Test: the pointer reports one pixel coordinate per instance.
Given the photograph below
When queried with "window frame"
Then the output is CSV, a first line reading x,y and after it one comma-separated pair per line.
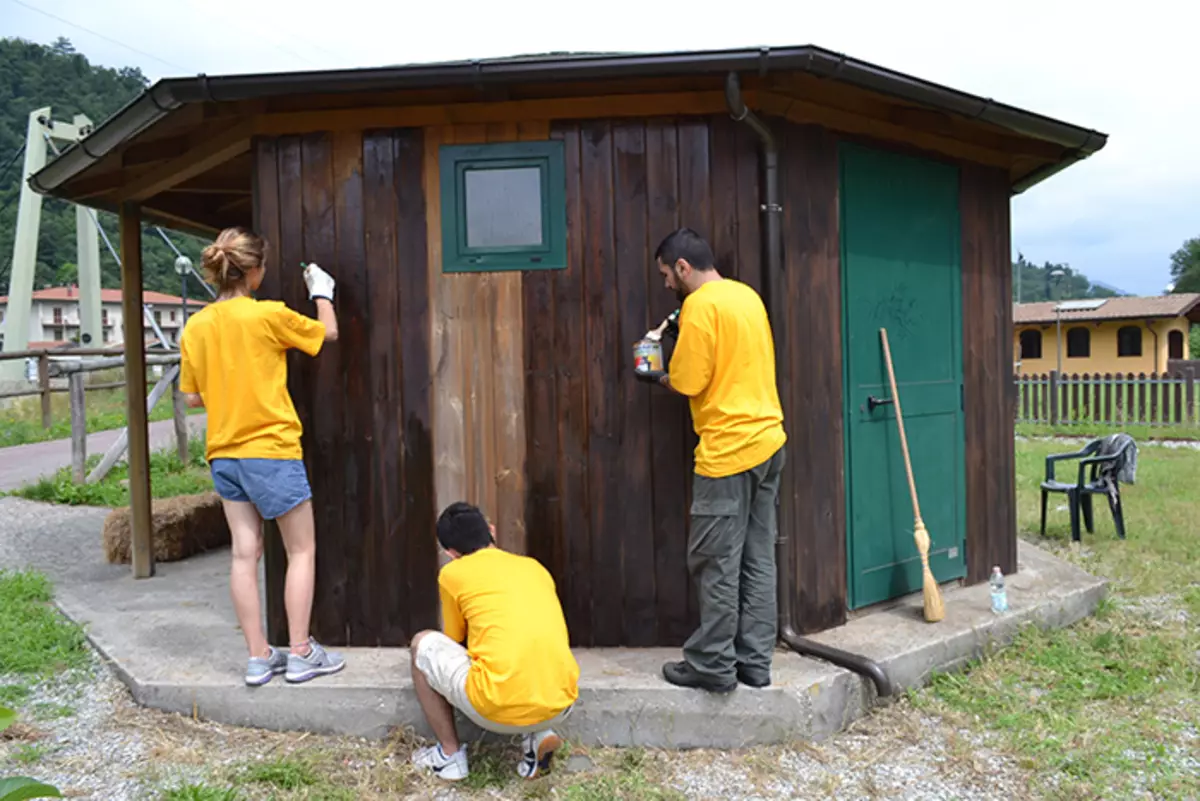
x,y
549,157
1021,344
1140,343
1087,342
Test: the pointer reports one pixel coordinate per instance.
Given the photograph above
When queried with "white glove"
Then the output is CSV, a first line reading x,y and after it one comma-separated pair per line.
x,y
320,283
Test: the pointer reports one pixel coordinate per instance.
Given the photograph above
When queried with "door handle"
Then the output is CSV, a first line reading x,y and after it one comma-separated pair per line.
x,y
873,401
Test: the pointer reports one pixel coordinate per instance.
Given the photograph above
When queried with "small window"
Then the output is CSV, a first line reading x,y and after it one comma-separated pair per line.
x,y
1175,345
58,315
1031,345
1079,343
503,207
172,316
1129,341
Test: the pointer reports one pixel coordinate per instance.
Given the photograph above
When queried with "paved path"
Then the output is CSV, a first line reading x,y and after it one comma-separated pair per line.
x,y
23,464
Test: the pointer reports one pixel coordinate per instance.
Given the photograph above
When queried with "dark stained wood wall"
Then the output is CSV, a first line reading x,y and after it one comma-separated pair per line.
x,y
609,460
353,202
806,312
989,393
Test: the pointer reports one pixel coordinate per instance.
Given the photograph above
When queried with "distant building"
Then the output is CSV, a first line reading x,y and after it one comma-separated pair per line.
x,y
54,316
1113,335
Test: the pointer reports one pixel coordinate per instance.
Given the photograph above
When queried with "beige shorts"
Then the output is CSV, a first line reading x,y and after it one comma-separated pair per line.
x,y
446,664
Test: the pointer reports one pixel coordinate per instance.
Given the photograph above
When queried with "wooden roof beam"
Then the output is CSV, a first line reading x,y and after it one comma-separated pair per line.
x,y
214,150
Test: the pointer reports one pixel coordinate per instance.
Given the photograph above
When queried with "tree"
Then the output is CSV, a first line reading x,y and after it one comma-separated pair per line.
x,y
1052,282
1185,267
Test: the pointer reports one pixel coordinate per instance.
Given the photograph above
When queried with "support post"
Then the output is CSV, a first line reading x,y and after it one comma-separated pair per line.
x,y
24,256
1054,398
78,398
44,388
181,431
135,391
87,245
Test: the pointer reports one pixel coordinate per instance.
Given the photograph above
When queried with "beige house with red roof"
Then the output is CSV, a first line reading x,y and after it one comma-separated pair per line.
x,y
1104,335
54,317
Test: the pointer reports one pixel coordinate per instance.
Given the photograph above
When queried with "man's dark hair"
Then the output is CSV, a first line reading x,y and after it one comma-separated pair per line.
x,y
685,244
463,528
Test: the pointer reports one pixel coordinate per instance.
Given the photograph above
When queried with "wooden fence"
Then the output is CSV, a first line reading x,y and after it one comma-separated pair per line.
x,y
1157,399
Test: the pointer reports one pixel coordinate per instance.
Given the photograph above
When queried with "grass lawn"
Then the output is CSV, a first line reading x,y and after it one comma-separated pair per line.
x,y
169,477
1107,708
21,423
1141,433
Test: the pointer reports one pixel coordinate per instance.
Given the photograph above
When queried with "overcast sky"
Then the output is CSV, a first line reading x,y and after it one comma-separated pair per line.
x,y
1131,73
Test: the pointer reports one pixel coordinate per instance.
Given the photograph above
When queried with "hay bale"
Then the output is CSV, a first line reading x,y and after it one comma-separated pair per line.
x,y
183,526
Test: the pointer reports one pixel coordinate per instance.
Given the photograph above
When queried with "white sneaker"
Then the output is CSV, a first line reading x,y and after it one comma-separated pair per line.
x,y
452,768
537,750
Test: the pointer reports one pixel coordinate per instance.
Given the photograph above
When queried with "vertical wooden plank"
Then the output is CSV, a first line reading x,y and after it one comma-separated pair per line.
x,y
1177,397
723,183
379,579
571,359
670,466
508,404
78,403
1074,415
636,532
141,539
987,341
449,402
813,503
328,472
606,485
695,212
1107,388
361,606
1141,399
749,216
266,192
1189,391
1055,398
416,210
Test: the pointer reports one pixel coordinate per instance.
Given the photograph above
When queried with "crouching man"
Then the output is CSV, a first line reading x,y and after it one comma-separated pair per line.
x,y
517,674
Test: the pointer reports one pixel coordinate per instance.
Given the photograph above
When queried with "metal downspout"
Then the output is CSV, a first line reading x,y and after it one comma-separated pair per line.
x,y
772,231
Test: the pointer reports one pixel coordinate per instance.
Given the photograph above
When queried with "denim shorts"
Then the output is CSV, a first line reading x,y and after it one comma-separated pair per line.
x,y
274,486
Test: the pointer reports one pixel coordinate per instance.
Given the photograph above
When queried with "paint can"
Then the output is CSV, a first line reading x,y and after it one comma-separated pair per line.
x,y
647,356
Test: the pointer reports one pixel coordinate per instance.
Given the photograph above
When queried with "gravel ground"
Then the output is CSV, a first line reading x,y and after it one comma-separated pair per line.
x,y
93,742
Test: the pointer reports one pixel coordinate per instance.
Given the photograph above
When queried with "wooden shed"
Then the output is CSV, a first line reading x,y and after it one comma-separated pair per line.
x,y
492,224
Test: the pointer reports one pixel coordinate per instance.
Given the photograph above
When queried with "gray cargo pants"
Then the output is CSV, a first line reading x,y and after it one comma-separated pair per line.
x,y
731,557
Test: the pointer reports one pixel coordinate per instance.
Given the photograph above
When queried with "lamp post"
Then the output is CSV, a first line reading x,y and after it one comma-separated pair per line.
x,y
1057,275
183,265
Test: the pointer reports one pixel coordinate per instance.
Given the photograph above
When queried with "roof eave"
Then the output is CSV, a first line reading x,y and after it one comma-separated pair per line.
x,y
170,94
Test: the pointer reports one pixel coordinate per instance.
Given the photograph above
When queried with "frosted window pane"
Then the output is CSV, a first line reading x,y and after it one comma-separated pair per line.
x,y
504,207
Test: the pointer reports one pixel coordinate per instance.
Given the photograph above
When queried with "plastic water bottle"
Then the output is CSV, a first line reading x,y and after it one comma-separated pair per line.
x,y
999,594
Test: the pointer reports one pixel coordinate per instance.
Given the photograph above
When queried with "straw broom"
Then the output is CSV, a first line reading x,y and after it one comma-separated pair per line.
x,y
934,611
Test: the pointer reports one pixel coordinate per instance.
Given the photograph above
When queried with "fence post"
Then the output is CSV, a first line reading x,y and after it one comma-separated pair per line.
x,y
1190,388
1054,398
44,386
78,400
181,431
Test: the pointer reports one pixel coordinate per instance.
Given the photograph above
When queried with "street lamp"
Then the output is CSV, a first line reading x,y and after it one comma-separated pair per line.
x,y
1057,275
183,266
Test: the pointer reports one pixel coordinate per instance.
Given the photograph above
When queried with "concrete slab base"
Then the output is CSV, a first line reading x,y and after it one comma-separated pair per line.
x,y
173,640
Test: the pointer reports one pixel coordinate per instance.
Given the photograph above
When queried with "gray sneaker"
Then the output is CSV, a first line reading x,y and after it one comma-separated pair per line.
x,y
319,662
259,671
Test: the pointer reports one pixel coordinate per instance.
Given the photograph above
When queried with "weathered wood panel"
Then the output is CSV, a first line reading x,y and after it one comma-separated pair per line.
x,y
610,477
478,358
353,203
807,319
988,392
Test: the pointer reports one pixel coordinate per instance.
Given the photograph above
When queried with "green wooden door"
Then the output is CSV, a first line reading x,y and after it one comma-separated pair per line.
x,y
901,271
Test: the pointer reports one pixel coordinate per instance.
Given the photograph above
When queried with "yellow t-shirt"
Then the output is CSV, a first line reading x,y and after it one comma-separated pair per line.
x,y
505,606
233,353
724,362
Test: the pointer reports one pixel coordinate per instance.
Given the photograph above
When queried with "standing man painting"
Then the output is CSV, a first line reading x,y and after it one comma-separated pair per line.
x,y
724,363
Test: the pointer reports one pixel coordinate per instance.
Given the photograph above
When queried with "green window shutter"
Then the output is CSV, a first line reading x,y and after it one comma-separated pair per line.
x,y
504,207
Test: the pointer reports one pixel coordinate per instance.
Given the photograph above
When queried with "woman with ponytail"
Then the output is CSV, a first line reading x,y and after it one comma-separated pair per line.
x,y
234,364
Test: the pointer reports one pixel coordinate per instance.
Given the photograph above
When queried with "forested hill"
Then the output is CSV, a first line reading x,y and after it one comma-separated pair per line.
x,y
33,76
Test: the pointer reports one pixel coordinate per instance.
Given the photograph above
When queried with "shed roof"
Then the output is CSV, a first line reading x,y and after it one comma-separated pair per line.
x,y
1118,308
203,124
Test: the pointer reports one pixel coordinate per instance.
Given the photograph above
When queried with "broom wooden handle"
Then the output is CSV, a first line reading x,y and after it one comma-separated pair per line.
x,y
912,486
